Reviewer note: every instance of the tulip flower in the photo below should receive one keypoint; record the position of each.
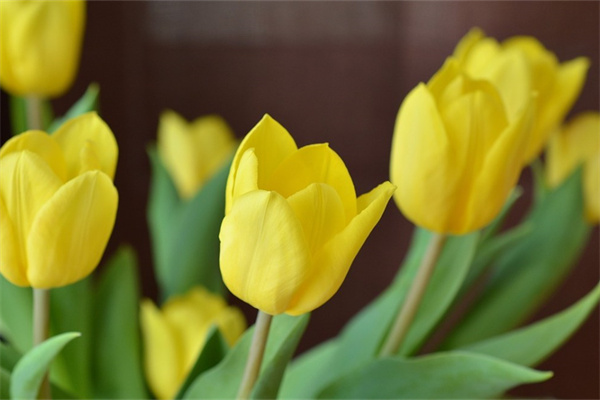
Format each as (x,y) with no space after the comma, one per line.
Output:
(576,144)
(519,66)
(456,154)
(57,202)
(174,335)
(193,152)
(293,224)
(40,44)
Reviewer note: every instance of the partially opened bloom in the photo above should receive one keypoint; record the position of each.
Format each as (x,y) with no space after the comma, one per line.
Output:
(194,151)
(293,224)
(175,334)
(518,66)
(57,202)
(576,144)
(456,154)
(40,44)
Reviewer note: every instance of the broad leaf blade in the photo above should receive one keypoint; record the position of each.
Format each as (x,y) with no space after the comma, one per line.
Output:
(532,344)
(455,375)
(8,356)
(27,376)
(222,381)
(16,306)
(117,361)
(4,384)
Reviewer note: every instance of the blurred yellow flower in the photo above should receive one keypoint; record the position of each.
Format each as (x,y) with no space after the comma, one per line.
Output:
(174,336)
(293,224)
(57,202)
(575,144)
(456,155)
(518,66)
(193,152)
(40,44)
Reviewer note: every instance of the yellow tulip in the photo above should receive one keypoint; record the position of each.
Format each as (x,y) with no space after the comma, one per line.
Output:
(40,44)
(519,66)
(293,224)
(174,336)
(57,202)
(456,155)
(193,152)
(575,144)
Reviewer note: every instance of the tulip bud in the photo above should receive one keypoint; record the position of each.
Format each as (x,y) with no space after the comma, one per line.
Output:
(193,152)
(293,224)
(40,44)
(578,143)
(456,155)
(57,202)
(519,66)
(175,335)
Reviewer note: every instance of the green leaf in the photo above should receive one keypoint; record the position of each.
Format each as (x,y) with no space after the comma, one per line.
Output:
(4,384)
(31,368)
(455,375)
(361,339)
(223,380)
(304,370)
(524,275)
(8,356)
(493,228)
(532,344)
(185,234)
(71,311)
(88,102)
(16,306)
(214,350)
(117,353)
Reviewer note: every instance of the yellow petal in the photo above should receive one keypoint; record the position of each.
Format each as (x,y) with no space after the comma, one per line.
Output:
(465,44)
(320,211)
(87,142)
(40,44)
(43,145)
(70,232)
(591,190)
(315,163)
(232,324)
(557,102)
(423,164)
(26,184)
(333,261)
(162,353)
(264,255)
(272,144)
(12,265)
(247,175)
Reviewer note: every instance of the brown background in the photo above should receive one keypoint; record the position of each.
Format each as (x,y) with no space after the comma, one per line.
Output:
(329,72)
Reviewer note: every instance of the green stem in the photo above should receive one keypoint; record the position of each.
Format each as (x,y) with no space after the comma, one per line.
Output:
(34,113)
(414,296)
(41,314)
(257,350)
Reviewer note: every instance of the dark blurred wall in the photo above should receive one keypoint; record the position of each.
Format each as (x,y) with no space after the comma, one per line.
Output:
(329,72)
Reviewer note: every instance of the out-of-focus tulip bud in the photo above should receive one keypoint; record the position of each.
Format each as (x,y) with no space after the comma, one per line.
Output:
(57,202)
(575,144)
(456,155)
(40,44)
(521,65)
(193,152)
(293,224)
(175,335)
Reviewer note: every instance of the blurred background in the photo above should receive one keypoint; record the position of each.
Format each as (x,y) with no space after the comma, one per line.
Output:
(329,72)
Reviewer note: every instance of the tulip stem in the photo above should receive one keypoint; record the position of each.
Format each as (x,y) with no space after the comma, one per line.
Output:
(414,296)
(34,113)
(257,350)
(41,314)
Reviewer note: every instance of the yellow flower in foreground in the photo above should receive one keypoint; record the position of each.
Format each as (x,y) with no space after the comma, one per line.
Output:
(456,155)
(174,336)
(519,66)
(193,152)
(293,224)
(57,202)
(40,43)
(576,144)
